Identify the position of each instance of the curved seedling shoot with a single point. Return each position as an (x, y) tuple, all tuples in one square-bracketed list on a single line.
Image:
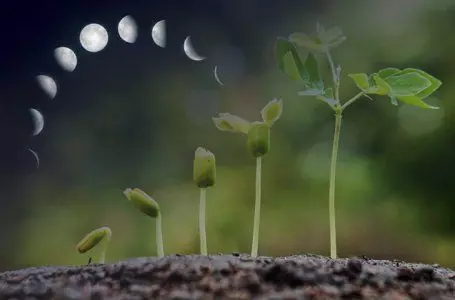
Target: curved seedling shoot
[(101, 235), (410, 86), (258, 143), (150, 207), (204, 175)]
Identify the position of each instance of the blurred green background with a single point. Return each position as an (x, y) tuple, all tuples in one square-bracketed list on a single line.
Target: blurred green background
[(133, 114)]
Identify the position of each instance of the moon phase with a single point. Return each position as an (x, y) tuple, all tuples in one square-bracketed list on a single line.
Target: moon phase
[(38, 121), (217, 78), (35, 155), (93, 37), (48, 85), (66, 58), (127, 29), (190, 52), (159, 33)]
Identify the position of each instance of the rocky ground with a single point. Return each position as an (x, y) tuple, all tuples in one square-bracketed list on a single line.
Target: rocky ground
[(233, 277)]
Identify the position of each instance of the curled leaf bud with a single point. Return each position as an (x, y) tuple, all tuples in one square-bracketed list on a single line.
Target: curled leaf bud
[(259, 139), (272, 111), (204, 168), (231, 123), (93, 238), (143, 202)]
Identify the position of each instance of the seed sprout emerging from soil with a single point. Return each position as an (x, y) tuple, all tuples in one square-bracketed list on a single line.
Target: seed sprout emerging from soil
[(101, 235), (410, 86), (145, 204), (258, 143), (204, 175)]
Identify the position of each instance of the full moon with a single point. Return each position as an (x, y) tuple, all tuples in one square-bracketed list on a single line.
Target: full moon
[(93, 37), (159, 33), (66, 58), (48, 85), (38, 121), (189, 50), (127, 29)]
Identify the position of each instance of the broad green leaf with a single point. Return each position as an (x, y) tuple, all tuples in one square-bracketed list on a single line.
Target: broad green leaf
[(361, 80), (435, 83), (416, 101), (310, 74), (407, 84), (382, 87), (384, 73), (288, 59)]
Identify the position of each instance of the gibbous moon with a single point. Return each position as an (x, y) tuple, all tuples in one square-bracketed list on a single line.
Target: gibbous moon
[(189, 50), (47, 84), (35, 155), (217, 78), (159, 33), (127, 29), (93, 37), (66, 58), (38, 121)]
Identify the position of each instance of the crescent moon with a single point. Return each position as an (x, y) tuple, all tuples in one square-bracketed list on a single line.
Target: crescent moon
[(34, 155), (217, 78), (48, 85), (159, 33), (66, 58), (38, 121), (189, 50)]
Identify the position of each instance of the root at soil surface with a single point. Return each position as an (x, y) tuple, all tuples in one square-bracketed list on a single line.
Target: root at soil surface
[(233, 277)]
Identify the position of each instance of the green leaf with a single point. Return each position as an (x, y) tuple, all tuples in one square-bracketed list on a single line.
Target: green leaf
[(407, 84), (384, 73), (330, 101), (361, 80), (416, 101), (329, 93), (288, 59), (435, 83), (382, 87), (310, 74), (305, 41), (310, 92)]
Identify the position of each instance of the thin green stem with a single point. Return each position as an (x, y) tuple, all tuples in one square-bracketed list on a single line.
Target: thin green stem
[(257, 208), (159, 236), (352, 100), (202, 232), (333, 164), (105, 244), (336, 80)]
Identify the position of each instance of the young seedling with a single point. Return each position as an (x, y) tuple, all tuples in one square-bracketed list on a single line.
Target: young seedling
[(410, 86), (258, 143), (145, 204), (101, 235), (204, 175)]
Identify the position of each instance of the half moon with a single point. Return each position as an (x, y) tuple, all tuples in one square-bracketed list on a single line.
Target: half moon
[(38, 121), (66, 58), (159, 33), (35, 155), (217, 78), (47, 84), (190, 52), (127, 29)]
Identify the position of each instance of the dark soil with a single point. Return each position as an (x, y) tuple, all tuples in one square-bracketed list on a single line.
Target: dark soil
[(233, 277)]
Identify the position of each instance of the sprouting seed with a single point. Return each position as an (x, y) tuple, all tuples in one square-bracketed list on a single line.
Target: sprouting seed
[(150, 207), (204, 175), (101, 235)]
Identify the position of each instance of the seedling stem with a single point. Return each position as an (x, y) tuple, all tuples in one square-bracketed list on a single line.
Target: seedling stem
[(202, 231), (159, 236), (257, 208)]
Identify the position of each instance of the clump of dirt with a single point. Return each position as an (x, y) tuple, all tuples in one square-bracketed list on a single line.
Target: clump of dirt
[(233, 277)]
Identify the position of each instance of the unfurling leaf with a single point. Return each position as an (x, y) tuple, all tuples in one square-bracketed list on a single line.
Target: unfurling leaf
[(259, 139), (288, 59), (361, 80), (93, 238), (407, 84), (204, 168), (272, 111), (231, 123), (143, 202)]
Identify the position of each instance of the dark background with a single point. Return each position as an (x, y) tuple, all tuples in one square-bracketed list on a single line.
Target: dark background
[(132, 115)]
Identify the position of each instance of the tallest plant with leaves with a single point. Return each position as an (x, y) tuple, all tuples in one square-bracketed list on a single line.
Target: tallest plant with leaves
[(410, 86)]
